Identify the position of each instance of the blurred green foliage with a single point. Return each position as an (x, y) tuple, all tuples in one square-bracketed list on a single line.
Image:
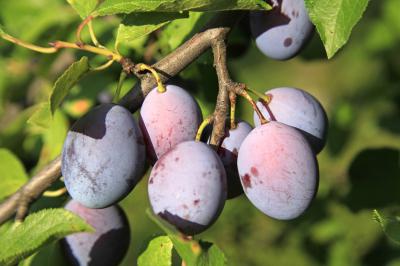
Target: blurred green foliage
[(359, 168)]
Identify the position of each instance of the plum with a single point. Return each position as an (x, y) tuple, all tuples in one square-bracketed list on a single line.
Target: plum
[(103, 156), (278, 170)]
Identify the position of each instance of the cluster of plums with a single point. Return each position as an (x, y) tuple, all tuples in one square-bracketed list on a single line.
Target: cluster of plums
[(274, 164)]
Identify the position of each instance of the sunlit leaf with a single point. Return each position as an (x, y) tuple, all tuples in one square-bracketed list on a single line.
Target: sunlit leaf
[(110, 7), (83, 7), (13, 174), (67, 80), (137, 25), (193, 252), (159, 252), (38, 229), (42, 116), (335, 20), (390, 225)]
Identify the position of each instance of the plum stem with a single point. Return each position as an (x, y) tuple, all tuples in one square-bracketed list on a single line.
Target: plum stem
[(246, 95), (55, 193), (160, 86), (203, 125), (232, 99), (266, 98)]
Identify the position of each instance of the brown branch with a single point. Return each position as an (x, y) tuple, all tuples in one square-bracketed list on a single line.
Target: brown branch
[(226, 87), (21, 199), (167, 67)]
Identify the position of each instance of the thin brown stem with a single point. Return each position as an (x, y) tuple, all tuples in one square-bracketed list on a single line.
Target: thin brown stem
[(80, 28)]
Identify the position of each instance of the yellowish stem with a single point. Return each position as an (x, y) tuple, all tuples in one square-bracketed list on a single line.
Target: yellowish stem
[(104, 66), (245, 95), (160, 86), (89, 48), (45, 50), (232, 98), (202, 126), (93, 35), (265, 98), (61, 44), (55, 193)]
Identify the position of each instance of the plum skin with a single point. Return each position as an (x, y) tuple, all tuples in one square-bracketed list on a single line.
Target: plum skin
[(278, 170), (282, 32), (103, 156), (187, 187), (228, 152), (107, 245), (299, 109), (168, 118)]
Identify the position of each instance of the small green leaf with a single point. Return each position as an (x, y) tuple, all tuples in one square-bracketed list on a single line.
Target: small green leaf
[(390, 225), (67, 80), (13, 174), (137, 25), (83, 7), (42, 116), (159, 252), (38, 229), (194, 253), (335, 20), (111, 7)]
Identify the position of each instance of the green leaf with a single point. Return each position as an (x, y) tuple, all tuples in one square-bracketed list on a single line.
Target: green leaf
[(159, 252), (335, 20), (213, 257), (178, 31), (53, 139), (194, 253), (13, 174), (49, 255), (390, 225), (42, 116), (38, 229), (110, 7), (83, 7), (137, 25), (45, 14), (67, 80)]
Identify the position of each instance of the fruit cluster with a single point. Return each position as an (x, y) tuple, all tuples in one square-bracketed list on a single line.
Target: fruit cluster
[(274, 164)]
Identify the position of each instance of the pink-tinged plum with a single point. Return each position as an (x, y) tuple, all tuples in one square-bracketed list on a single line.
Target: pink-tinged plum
[(107, 245), (187, 187), (299, 109), (167, 119), (228, 152), (103, 156), (278, 170), (283, 31)]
